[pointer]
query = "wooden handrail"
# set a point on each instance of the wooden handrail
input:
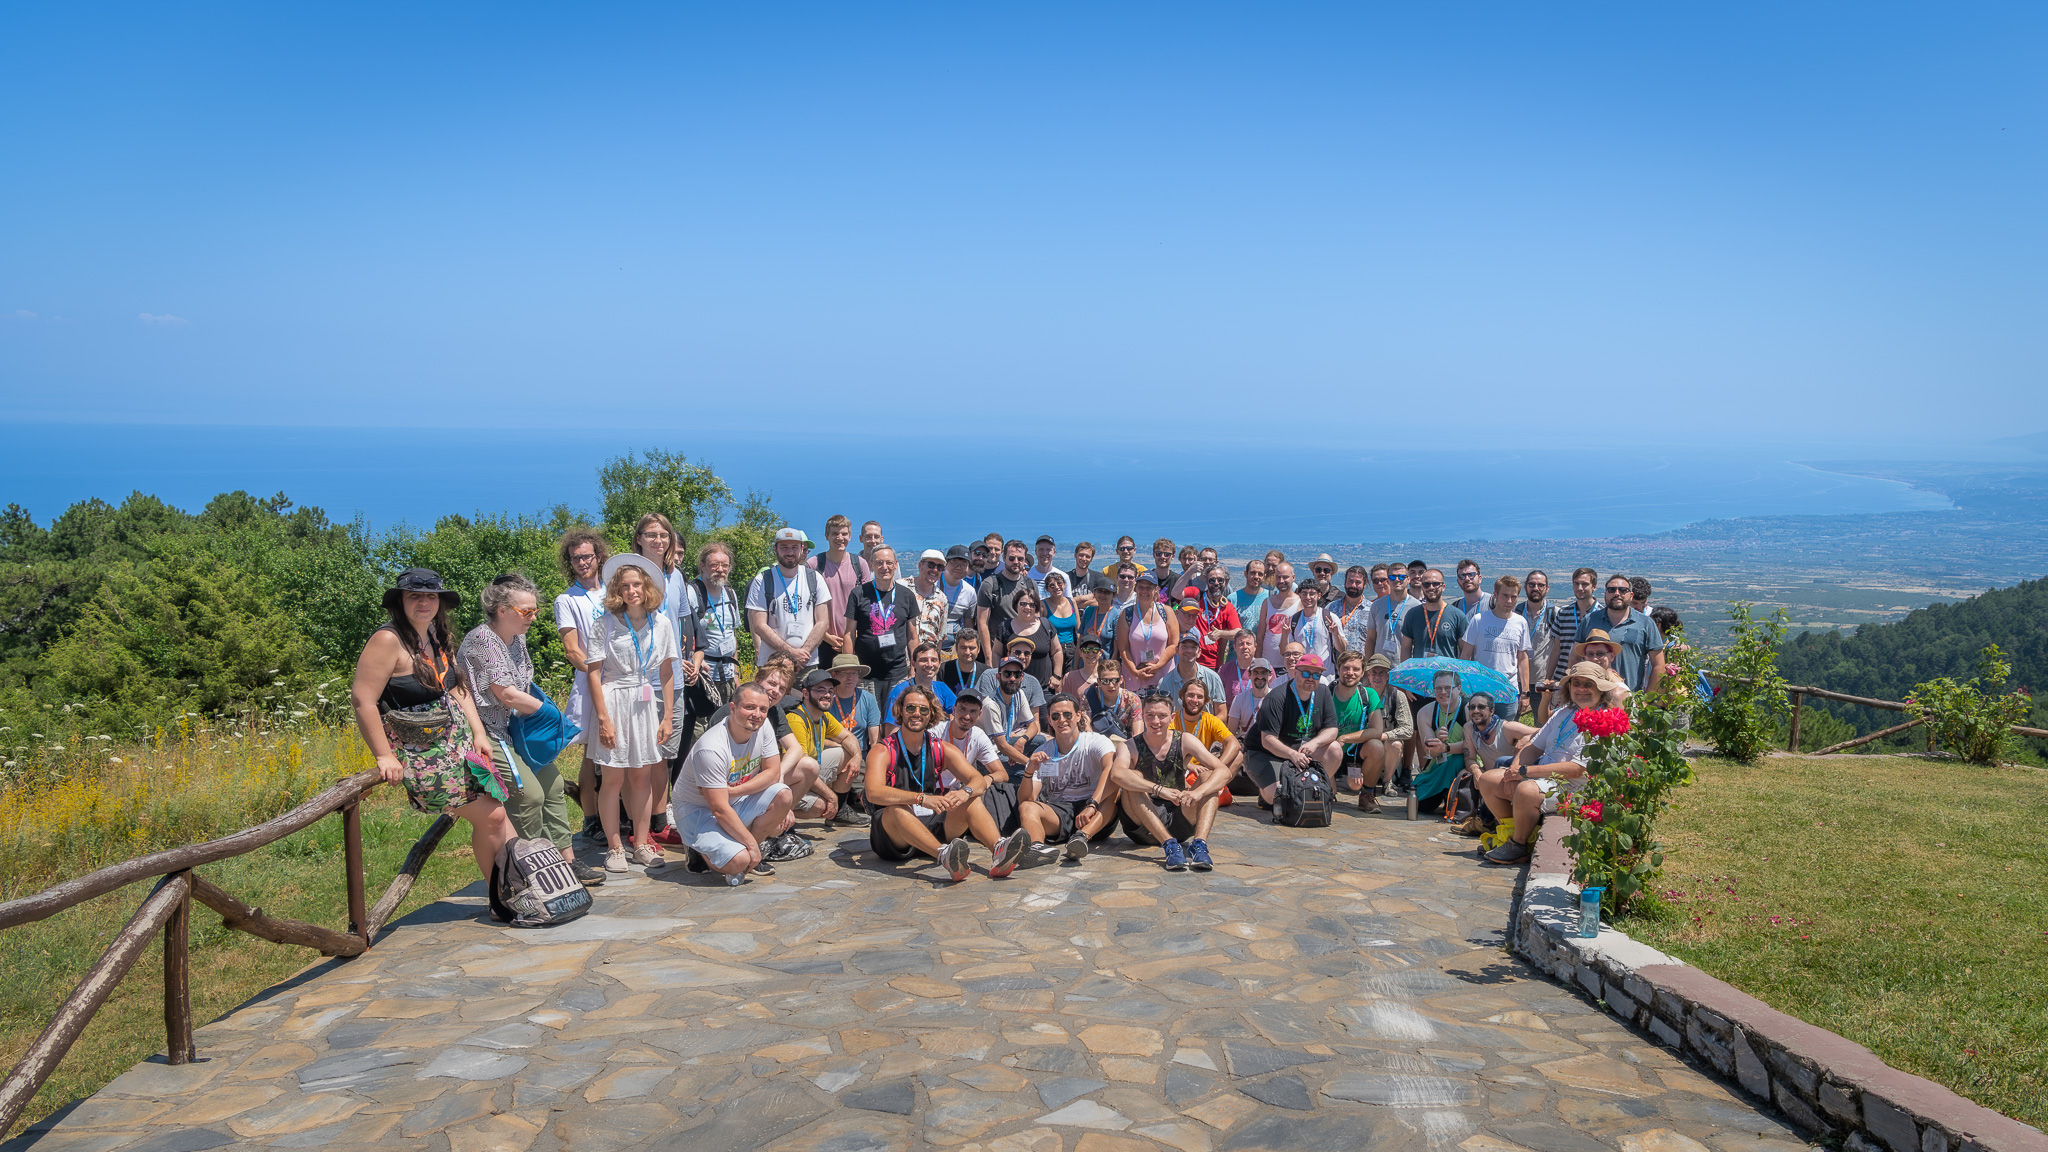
(53, 900)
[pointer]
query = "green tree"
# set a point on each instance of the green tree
(1749, 704)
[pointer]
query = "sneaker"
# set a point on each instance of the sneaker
(1009, 850)
(1265, 805)
(852, 817)
(1198, 856)
(648, 856)
(1076, 848)
(1176, 859)
(1367, 802)
(1508, 853)
(1471, 826)
(954, 857)
(764, 868)
(615, 860)
(694, 861)
(794, 847)
(588, 875)
(669, 836)
(1040, 854)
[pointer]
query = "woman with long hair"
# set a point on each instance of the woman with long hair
(415, 713)
(1061, 613)
(636, 651)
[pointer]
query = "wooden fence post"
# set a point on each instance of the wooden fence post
(1792, 744)
(352, 845)
(178, 1046)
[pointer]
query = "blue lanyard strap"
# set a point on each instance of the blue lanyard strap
(635, 635)
(790, 592)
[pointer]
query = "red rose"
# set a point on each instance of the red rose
(1591, 811)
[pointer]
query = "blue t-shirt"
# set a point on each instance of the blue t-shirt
(866, 714)
(945, 694)
(1443, 639)
(1637, 637)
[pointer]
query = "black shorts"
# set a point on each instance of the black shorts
(1069, 814)
(1001, 801)
(887, 847)
(1177, 823)
(1258, 768)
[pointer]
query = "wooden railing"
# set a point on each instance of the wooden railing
(169, 909)
(1797, 694)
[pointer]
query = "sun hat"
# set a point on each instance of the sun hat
(848, 660)
(1380, 660)
(648, 568)
(931, 554)
(1322, 559)
(420, 580)
(1599, 636)
(1587, 670)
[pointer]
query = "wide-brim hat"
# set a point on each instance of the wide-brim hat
(419, 580)
(847, 660)
(1381, 661)
(648, 568)
(1587, 670)
(1599, 636)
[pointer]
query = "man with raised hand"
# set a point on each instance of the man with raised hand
(786, 603)
(1296, 724)
(1471, 600)
(729, 796)
(997, 600)
(1192, 575)
(1064, 794)
(1640, 663)
(1499, 639)
(1216, 619)
(1187, 668)
(1434, 627)
(1047, 553)
(1169, 788)
(922, 789)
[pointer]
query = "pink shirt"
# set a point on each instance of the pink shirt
(840, 579)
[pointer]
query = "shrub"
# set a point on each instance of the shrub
(1744, 717)
(1968, 719)
(1633, 764)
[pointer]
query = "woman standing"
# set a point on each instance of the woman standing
(500, 674)
(657, 539)
(1062, 615)
(1145, 636)
(418, 719)
(636, 652)
(1027, 622)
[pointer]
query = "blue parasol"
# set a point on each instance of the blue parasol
(1419, 676)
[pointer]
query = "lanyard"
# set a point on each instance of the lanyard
(790, 592)
(923, 778)
(1010, 710)
(835, 705)
(882, 622)
(720, 609)
(1311, 620)
(1434, 626)
(635, 635)
(816, 724)
(1301, 711)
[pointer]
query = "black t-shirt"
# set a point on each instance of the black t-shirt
(1282, 714)
(994, 595)
(952, 677)
(897, 610)
(1043, 640)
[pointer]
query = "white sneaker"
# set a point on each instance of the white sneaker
(649, 857)
(615, 860)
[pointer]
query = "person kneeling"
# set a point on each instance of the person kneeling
(1066, 796)
(729, 796)
(1551, 764)
(921, 790)
(1169, 802)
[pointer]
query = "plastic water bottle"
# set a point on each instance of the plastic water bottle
(1589, 912)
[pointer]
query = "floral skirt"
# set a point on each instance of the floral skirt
(443, 770)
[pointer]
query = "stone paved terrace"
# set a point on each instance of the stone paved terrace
(1333, 989)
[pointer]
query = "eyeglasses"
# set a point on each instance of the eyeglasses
(584, 558)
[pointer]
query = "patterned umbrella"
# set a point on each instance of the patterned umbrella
(1419, 676)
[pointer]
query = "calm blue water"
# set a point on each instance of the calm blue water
(1080, 487)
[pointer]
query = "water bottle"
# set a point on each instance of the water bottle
(1414, 804)
(1589, 912)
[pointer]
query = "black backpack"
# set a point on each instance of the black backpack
(1302, 797)
(533, 887)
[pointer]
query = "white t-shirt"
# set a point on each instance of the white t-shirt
(714, 763)
(1071, 777)
(1387, 615)
(1038, 576)
(1560, 739)
(579, 608)
(961, 601)
(979, 750)
(1496, 642)
(633, 656)
(1244, 709)
(790, 602)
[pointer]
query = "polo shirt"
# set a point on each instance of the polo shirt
(1637, 636)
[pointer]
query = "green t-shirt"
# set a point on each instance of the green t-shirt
(1352, 714)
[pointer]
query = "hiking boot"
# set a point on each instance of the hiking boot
(1076, 848)
(1198, 856)
(1509, 852)
(1176, 859)
(1008, 851)
(1367, 802)
(694, 862)
(953, 857)
(615, 860)
(588, 875)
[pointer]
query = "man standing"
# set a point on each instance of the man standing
(1281, 605)
(880, 614)
(1640, 663)
(1048, 554)
(1564, 629)
(715, 607)
(1432, 628)
(786, 603)
(1077, 576)
(1535, 611)
(1250, 600)
(996, 601)
(1321, 571)
(1298, 725)
(1186, 667)
(1216, 620)
(1126, 549)
(730, 796)
(1353, 609)
(1499, 639)
(1315, 627)
(962, 597)
(1470, 600)
(1639, 594)
(1162, 563)
(841, 570)
(870, 539)
(931, 602)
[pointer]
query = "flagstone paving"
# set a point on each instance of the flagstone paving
(1326, 989)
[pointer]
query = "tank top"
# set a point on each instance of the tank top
(408, 691)
(1165, 770)
(1147, 640)
(1040, 664)
(1064, 626)
(917, 773)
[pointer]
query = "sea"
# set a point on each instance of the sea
(955, 484)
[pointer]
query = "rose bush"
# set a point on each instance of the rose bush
(1633, 764)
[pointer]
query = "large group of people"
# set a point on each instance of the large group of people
(990, 695)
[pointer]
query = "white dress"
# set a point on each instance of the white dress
(632, 688)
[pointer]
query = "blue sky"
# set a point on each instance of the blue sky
(1741, 222)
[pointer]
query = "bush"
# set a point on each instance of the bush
(1968, 719)
(1634, 761)
(1743, 719)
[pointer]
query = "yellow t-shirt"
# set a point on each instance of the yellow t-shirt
(811, 739)
(1210, 731)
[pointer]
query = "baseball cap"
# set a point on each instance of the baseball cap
(817, 676)
(1045, 539)
(966, 694)
(1190, 638)
(1024, 642)
(1097, 582)
(796, 534)
(1148, 577)
(1094, 642)
(1262, 662)
(1380, 660)
(1311, 661)
(957, 552)
(1013, 658)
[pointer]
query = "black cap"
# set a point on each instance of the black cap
(966, 694)
(1045, 539)
(957, 552)
(817, 676)
(1097, 582)
(1094, 642)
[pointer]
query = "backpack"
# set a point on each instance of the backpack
(1302, 797)
(1464, 809)
(532, 886)
(812, 580)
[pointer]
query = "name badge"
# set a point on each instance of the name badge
(647, 693)
(886, 640)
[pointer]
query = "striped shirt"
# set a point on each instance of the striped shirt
(1564, 630)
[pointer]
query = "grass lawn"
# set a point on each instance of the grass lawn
(300, 876)
(1900, 902)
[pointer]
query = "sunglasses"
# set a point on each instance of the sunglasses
(916, 710)
(528, 613)
(1432, 583)
(1617, 588)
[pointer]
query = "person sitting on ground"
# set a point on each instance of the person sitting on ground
(1297, 724)
(1065, 795)
(1236, 673)
(1188, 669)
(855, 709)
(1490, 740)
(1548, 767)
(830, 752)
(1170, 788)
(730, 799)
(1381, 756)
(1244, 707)
(922, 791)
(1441, 723)
(1010, 703)
(963, 731)
(1193, 714)
(1358, 721)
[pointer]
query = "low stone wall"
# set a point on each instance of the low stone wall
(1820, 1081)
